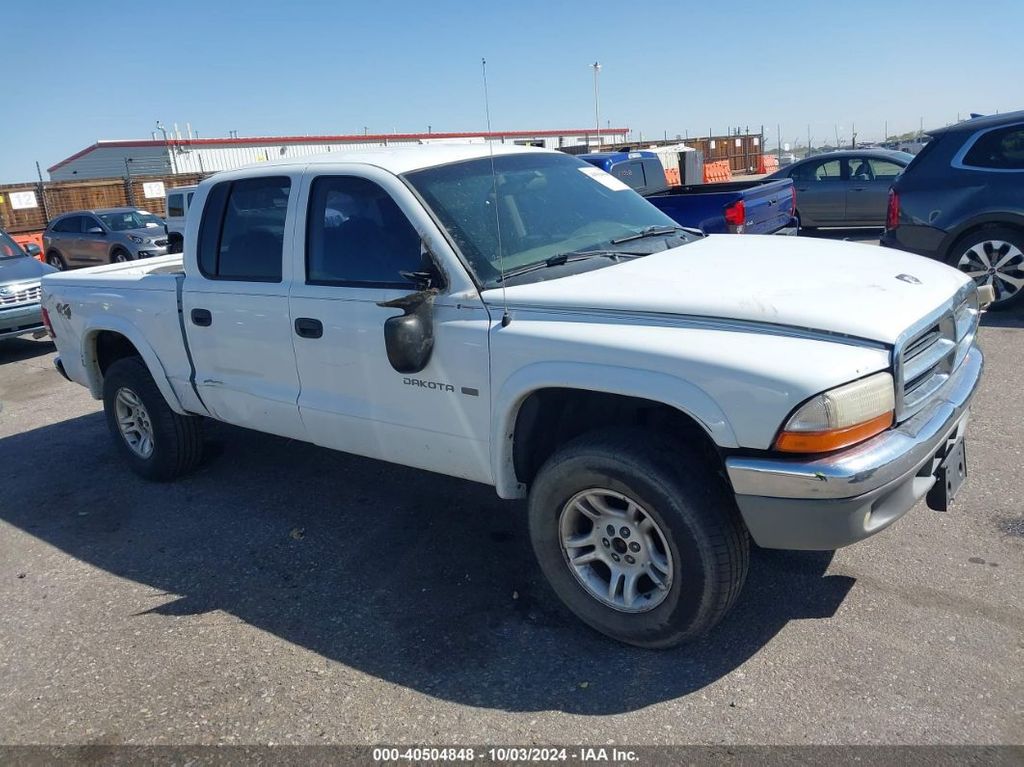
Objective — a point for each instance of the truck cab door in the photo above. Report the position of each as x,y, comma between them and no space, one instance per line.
360,245
235,303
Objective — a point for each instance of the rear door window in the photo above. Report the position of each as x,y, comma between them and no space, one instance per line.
999,149
69,225
242,232
825,171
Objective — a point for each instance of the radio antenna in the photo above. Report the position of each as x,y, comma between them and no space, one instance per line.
505,317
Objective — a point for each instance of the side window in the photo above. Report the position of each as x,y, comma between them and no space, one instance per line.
357,235
188,204
175,205
69,225
88,222
1002,149
883,170
242,233
827,171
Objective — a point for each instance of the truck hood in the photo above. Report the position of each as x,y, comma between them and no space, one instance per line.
848,288
22,269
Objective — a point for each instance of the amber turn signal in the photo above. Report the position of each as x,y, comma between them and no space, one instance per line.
833,439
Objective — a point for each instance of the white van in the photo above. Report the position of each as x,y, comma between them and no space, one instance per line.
178,201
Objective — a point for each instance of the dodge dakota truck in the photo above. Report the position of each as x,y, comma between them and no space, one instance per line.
517,317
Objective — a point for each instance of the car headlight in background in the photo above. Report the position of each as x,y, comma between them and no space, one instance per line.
840,417
136,239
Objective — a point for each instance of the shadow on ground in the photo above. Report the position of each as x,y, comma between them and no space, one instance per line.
418,579
18,349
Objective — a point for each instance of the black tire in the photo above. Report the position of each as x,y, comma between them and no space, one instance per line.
177,439
682,493
975,241
175,244
120,256
56,260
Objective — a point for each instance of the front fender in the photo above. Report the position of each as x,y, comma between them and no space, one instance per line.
119,325
632,382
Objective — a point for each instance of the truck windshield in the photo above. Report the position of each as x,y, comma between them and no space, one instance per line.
547,205
9,248
124,220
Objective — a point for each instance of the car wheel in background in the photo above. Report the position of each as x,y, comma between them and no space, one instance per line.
56,260
158,443
120,256
993,256
634,538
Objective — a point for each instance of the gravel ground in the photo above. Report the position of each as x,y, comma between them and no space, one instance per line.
288,594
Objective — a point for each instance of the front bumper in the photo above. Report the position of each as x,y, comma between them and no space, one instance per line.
151,251
20,321
844,497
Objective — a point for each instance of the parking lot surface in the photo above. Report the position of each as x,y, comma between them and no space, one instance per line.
288,594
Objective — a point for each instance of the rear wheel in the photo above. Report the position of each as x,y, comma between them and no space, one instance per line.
56,260
638,537
158,443
993,256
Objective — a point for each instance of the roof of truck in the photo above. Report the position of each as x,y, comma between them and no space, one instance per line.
402,159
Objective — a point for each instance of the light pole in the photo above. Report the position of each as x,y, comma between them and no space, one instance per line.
596,66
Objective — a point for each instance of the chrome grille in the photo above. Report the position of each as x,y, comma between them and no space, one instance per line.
160,243
11,295
929,353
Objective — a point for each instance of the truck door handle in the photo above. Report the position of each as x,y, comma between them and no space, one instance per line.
857,189
202,317
307,327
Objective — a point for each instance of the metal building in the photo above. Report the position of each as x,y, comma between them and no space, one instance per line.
173,155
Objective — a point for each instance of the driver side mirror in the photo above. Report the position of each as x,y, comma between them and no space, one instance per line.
94,230
32,249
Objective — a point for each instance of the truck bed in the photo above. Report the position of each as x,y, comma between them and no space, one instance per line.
768,205
138,299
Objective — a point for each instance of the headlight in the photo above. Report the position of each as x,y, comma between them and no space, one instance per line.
133,238
840,417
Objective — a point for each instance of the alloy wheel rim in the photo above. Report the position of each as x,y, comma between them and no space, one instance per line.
121,258
616,550
133,422
997,263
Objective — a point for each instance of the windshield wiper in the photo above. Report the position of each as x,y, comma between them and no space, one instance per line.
567,258
656,231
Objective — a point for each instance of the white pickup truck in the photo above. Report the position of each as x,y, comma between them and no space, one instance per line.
524,320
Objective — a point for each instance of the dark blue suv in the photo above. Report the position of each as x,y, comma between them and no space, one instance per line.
962,201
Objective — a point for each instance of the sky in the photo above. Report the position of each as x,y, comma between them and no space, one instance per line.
107,69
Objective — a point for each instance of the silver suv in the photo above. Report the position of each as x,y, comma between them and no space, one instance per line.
91,237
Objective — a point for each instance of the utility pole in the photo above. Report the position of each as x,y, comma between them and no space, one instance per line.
128,181
778,140
853,135
42,193
597,101
808,139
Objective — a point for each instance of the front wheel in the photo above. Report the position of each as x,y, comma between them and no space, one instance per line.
158,443
995,257
638,536
120,257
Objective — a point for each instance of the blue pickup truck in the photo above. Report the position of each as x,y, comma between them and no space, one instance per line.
734,207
